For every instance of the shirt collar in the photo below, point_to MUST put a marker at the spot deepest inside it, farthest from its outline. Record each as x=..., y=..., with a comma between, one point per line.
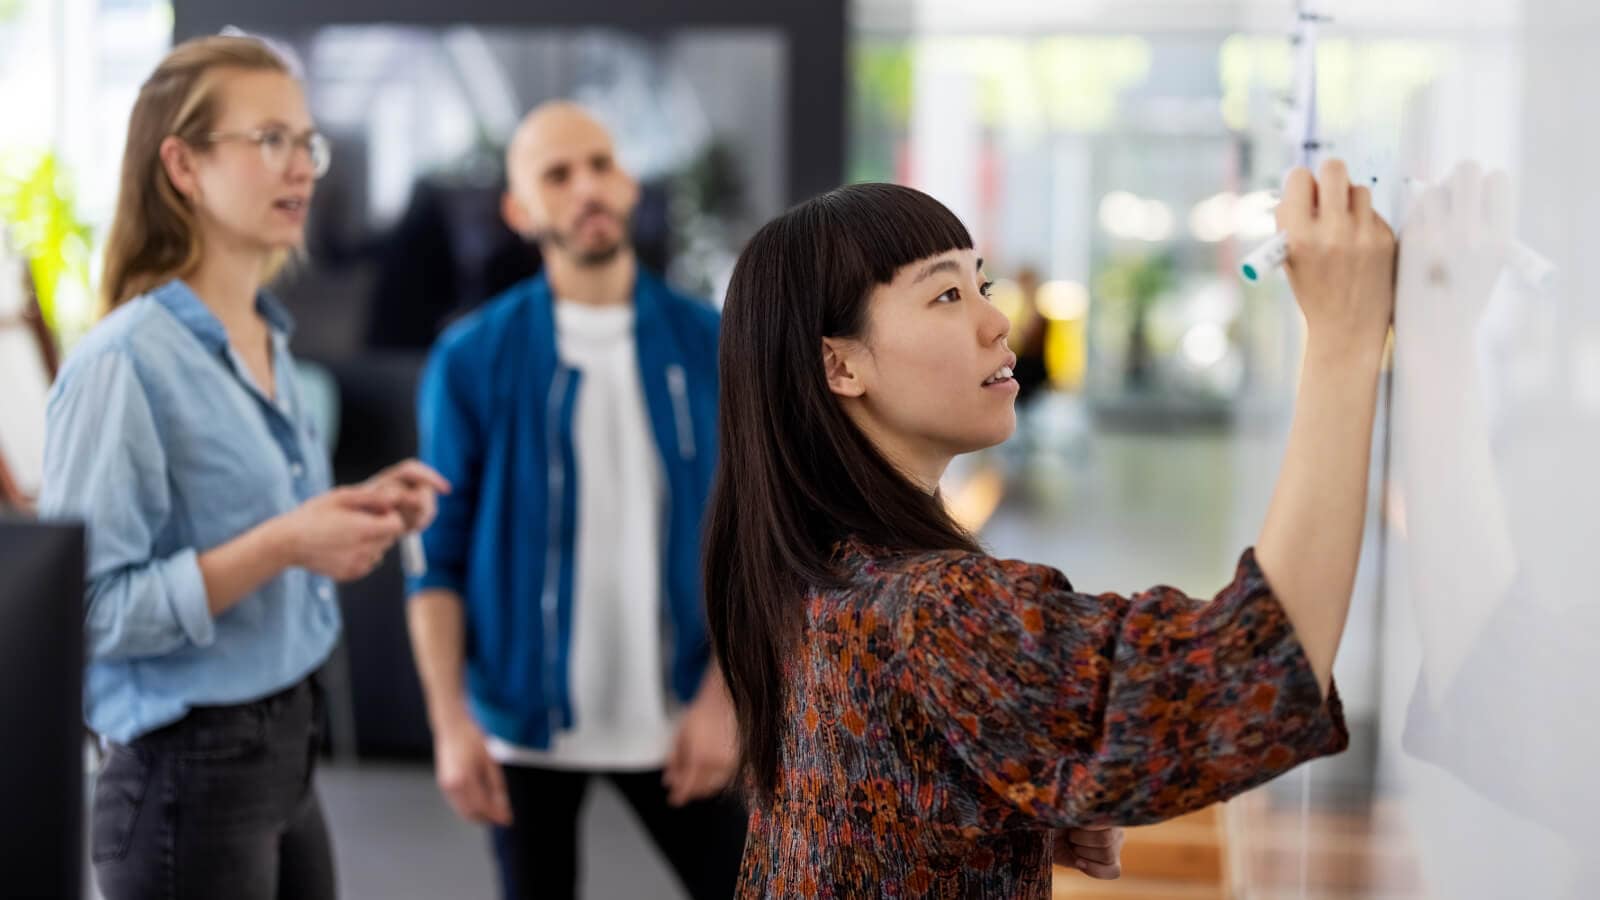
x=180, y=300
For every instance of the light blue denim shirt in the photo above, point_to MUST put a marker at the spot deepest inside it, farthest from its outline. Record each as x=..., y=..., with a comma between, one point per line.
x=159, y=441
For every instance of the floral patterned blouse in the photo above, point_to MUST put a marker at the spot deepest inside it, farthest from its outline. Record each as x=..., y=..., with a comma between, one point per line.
x=948, y=711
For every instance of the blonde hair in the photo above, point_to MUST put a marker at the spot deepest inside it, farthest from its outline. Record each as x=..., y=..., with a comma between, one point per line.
x=154, y=235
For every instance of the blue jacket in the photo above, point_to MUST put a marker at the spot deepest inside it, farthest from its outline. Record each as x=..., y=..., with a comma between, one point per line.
x=495, y=412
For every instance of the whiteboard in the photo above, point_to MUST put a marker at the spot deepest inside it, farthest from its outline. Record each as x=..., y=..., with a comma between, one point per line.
x=1489, y=621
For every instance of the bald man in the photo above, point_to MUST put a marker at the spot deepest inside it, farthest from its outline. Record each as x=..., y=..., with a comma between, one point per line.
x=559, y=629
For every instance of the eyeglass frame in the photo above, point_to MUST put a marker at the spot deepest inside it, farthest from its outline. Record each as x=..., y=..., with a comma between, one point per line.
x=310, y=141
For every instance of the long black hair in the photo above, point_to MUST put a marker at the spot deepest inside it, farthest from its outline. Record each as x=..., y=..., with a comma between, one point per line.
x=795, y=475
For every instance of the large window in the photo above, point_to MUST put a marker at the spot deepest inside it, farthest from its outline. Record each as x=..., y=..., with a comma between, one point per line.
x=69, y=72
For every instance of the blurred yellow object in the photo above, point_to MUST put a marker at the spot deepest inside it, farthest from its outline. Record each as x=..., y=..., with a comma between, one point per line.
x=1006, y=295
x=1066, y=353
x=1063, y=301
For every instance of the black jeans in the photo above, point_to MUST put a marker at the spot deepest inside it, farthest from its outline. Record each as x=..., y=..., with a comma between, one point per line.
x=219, y=804
x=538, y=854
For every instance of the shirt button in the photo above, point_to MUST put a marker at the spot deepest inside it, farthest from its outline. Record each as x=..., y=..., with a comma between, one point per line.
x=297, y=470
x=324, y=591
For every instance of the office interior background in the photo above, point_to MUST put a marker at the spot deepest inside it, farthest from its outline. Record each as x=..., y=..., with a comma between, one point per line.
x=1114, y=161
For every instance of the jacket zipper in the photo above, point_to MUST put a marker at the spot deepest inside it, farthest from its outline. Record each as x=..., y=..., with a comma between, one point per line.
x=552, y=573
x=679, y=386
x=669, y=642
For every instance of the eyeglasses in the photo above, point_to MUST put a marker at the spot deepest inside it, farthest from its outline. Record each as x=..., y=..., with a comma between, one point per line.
x=277, y=147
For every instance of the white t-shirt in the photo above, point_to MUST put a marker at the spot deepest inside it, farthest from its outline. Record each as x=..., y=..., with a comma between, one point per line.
x=620, y=704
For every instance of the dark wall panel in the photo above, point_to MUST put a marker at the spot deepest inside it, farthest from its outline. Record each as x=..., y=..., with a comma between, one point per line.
x=815, y=29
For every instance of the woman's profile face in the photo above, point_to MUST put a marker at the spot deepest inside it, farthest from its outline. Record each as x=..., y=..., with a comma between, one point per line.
x=932, y=374
x=247, y=194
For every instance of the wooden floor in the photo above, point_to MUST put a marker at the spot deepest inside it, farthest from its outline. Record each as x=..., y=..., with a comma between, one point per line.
x=1249, y=850
x=1184, y=859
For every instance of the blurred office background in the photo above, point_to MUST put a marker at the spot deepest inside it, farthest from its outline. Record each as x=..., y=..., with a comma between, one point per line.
x=1114, y=161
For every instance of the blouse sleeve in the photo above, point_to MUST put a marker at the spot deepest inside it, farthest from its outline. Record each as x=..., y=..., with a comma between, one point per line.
x=1082, y=710
x=106, y=466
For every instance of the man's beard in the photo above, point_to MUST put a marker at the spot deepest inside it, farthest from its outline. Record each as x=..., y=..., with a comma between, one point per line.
x=592, y=257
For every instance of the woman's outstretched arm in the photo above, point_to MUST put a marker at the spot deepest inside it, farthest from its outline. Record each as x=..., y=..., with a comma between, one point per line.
x=1341, y=266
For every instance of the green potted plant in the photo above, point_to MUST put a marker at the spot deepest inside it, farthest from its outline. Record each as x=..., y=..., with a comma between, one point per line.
x=1136, y=282
x=40, y=218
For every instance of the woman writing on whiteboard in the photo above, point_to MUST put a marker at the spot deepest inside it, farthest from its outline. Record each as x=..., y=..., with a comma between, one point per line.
x=175, y=431
x=921, y=719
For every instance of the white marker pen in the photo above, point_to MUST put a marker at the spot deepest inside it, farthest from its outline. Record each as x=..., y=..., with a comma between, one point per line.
x=1532, y=268
x=1265, y=258
x=412, y=560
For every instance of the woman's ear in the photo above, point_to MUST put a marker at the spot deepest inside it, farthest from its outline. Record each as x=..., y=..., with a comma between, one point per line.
x=177, y=159
x=840, y=364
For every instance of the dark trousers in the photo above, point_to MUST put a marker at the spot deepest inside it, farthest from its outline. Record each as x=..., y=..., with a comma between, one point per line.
x=538, y=854
x=219, y=804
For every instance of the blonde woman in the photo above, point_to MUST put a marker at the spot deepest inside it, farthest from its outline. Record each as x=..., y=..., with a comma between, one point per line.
x=176, y=433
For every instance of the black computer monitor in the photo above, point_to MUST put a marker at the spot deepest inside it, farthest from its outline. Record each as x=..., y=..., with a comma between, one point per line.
x=41, y=709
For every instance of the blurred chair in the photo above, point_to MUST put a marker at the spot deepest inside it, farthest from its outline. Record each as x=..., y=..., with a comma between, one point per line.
x=41, y=697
